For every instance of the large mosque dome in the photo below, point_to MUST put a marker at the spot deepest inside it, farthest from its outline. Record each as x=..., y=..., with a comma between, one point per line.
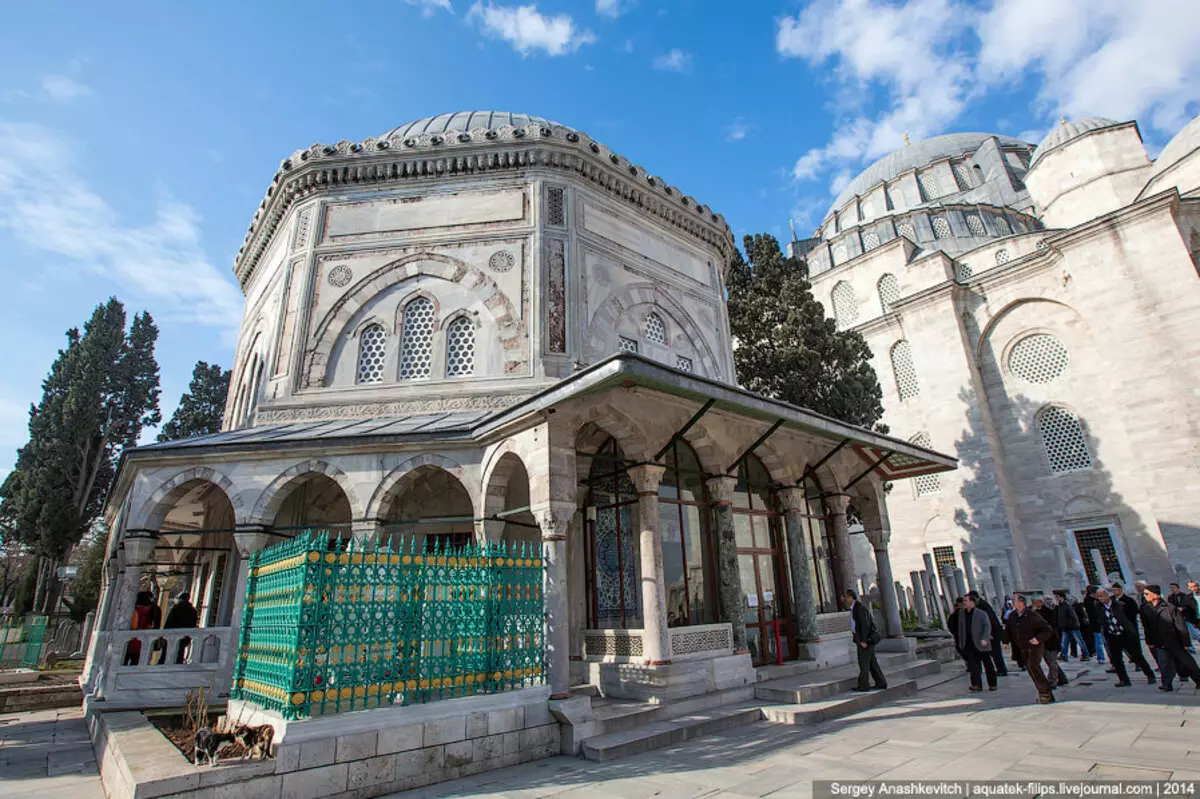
x=1066, y=131
x=467, y=121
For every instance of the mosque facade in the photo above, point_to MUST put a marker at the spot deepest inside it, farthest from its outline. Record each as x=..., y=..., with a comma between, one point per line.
x=1032, y=311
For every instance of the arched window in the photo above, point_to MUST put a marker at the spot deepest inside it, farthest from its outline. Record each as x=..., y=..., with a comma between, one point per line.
x=460, y=347
x=688, y=573
x=889, y=291
x=1002, y=256
x=941, y=227
x=925, y=483
x=902, y=367
x=870, y=241
x=655, y=330
x=962, y=271
x=907, y=230
x=372, y=351
x=416, y=350
x=962, y=176
x=1064, y=440
x=845, y=306
x=611, y=543
x=975, y=225
x=838, y=253
x=929, y=185
x=821, y=545
x=758, y=529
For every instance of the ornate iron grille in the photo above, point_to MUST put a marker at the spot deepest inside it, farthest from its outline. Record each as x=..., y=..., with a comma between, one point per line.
x=325, y=630
x=943, y=558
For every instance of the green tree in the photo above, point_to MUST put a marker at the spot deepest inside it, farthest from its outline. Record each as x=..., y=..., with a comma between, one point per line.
x=201, y=409
x=785, y=347
x=102, y=390
x=86, y=590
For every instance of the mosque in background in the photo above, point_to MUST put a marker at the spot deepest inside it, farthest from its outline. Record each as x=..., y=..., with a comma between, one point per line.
x=1034, y=312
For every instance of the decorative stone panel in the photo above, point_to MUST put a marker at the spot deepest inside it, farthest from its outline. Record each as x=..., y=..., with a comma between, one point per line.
x=703, y=640
x=612, y=645
x=556, y=296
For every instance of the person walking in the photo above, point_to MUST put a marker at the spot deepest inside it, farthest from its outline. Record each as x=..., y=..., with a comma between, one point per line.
x=997, y=648
x=1029, y=632
x=1120, y=636
x=975, y=630
x=1052, y=643
x=1187, y=606
x=865, y=636
x=1095, y=631
x=952, y=623
x=1167, y=637
x=1068, y=626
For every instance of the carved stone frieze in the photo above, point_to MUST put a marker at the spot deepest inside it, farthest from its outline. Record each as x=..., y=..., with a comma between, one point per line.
x=369, y=410
x=556, y=296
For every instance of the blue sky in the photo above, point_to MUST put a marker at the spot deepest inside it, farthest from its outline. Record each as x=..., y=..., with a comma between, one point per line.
x=137, y=138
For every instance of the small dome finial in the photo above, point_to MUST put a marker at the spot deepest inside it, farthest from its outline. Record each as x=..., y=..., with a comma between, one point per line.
x=1062, y=121
x=906, y=142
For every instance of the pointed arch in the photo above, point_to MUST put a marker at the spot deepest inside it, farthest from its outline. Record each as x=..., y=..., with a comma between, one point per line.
x=155, y=509
x=268, y=502
x=394, y=481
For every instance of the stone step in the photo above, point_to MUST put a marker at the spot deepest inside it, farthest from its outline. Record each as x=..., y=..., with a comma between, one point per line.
x=670, y=731
x=831, y=682
x=836, y=708
x=585, y=689
x=613, y=715
x=791, y=668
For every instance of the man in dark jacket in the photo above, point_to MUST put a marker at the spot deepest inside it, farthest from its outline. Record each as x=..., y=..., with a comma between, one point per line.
x=1120, y=635
x=1095, y=631
x=1052, y=643
x=997, y=649
x=1186, y=604
x=1167, y=637
x=865, y=636
x=1068, y=627
x=978, y=637
x=1029, y=632
x=952, y=623
x=182, y=616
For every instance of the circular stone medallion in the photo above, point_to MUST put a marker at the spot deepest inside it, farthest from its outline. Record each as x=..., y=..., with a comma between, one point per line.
x=340, y=276
x=501, y=261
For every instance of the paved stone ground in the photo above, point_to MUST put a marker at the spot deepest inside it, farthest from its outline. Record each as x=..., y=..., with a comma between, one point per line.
x=1096, y=731
x=47, y=754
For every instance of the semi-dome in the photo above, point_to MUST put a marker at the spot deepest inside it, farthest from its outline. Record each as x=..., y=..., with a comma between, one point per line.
x=1183, y=144
x=464, y=121
x=918, y=154
x=1066, y=131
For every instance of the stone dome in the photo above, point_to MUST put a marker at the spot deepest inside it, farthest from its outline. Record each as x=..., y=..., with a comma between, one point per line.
x=1066, y=131
x=917, y=154
x=1183, y=144
x=465, y=121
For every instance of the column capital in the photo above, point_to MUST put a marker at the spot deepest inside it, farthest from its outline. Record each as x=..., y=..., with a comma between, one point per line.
x=879, y=538
x=837, y=504
x=554, y=519
x=489, y=530
x=646, y=477
x=792, y=498
x=250, y=538
x=139, y=545
x=720, y=488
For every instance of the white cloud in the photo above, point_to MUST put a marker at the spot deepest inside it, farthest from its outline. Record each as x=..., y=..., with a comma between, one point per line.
x=62, y=89
x=431, y=7
x=613, y=8
x=48, y=205
x=738, y=131
x=675, y=60
x=933, y=58
x=527, y=30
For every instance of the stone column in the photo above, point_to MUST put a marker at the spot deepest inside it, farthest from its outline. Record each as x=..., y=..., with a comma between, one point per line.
x=839, y=534
x=656, y=644
x=901, y=598
x=249, y=538
x=489, y=531
x=799, y=560
x=969, y=570
x=555, y=523
x=886, y=583
x=364, y=534
x=720, y=492
x=139, y=549
x=1014, y=569
x=1098, y=565
x=918, y=594
x=960, y=585
x=997, y=583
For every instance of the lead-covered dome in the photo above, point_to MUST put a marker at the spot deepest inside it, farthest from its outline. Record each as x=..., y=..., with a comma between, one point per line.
x=1066, y=131
x=465, y=121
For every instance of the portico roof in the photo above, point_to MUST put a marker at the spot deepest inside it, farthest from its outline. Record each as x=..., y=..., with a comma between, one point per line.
x=890, y=458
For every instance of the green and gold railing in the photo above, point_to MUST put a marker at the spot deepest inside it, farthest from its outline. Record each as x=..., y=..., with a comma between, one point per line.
x=326, y=630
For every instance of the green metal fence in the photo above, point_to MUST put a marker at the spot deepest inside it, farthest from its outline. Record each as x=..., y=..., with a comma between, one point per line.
x=21, y=642
x=327, y=630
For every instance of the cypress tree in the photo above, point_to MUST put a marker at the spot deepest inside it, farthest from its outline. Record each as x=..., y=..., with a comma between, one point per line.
x=202, y=407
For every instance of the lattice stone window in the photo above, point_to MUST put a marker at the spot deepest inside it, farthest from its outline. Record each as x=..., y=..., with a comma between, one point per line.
x=1038, y=358
x=838, y=253
x=683, y=364
x=1003, y=226
x=845, y=306
x=372, y=352
x=906, y=230
x=906, y=374
x=1064, y=440
x=870, y=241
x=962, y=176
x=1002, y=257
x=625, y=344
x=654, y=328
x=941, y=227
x=975, y=225
x=416, y=352
x=929, y=185
x=1043, y=245
x=556, y=212
x=460, y=347
x=889, y=291
x=925, y=483
x=962, y=272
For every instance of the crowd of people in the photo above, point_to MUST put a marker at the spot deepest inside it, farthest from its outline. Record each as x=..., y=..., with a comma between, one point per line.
x=1106, y=624
x=147, y=615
